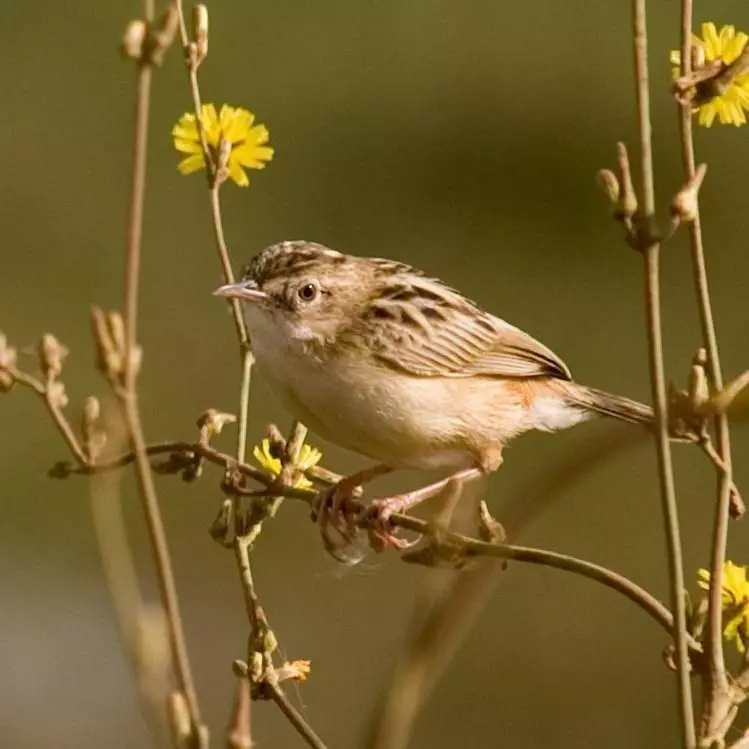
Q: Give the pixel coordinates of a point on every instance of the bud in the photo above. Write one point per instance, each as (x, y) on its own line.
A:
(697, 55)
(51, 356)
(116, 326)
(132, 40)
(627, 205)
(7, 354)
(93, 437)
(240, 668)
(699, 391)
(162, 34)
(108, 353)
(200, 31)
(211, 422)
(685, 204)
(608, 182)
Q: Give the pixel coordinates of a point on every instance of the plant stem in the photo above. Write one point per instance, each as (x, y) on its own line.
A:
(128, 398)
(295, 718)
(717, 676)
(651, 253)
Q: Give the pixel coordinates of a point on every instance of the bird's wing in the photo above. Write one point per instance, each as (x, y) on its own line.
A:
(464, 343)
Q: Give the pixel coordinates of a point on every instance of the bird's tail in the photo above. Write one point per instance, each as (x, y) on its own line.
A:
(607, 404)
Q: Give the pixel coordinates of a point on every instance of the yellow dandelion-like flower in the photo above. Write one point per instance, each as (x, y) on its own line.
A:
(725, 46)
(735, 600)
(233, 125)
(308, 458)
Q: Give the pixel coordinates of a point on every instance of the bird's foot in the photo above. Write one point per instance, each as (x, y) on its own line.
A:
(382, 534)
(336, 513)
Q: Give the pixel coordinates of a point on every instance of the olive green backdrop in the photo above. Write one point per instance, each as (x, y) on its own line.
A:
(461, 137)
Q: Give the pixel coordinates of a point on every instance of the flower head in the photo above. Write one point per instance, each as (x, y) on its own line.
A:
(308, 458)
(231, 129)
(735, 601)
(723, 47)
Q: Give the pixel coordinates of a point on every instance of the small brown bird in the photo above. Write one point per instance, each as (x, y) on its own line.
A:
(377, 357)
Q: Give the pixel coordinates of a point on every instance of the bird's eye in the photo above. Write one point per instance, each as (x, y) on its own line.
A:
(307, 292)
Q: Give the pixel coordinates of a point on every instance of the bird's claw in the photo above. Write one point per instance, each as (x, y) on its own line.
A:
(336, 514)
(380, 530)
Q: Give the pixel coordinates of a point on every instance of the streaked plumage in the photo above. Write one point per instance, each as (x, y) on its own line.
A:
(397, 366)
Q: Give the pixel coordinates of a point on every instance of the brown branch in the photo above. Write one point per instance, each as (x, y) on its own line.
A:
(650, 248)
(54, 408)
(460, 546)
(715, 702)
(128, 399)
(295, 717)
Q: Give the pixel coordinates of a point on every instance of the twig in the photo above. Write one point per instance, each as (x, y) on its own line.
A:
(717, 687)
(461, 546)
(295, 717)
(651, 251)
(128, 398)
(55, 411)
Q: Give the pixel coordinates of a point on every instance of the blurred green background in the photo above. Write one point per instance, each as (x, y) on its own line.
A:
(461, 137)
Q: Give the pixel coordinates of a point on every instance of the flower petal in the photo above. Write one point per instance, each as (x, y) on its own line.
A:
(237, 174)
(258, 135)
(187, 146)
(711, 42)
(191, 163)
(734, 47)
(239, 126)
(252, 157)
(707, 114)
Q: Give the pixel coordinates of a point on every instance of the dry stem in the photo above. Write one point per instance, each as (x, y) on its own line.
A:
(129, 400)
(651, 249)
(716, 701)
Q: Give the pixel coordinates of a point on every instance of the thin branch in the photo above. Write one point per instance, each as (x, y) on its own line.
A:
(295, 717)
(128, 399)
(55, 411)
(715, 702)
(460, 546)
(651, 252)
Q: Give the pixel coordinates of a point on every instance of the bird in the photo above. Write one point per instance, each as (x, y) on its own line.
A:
(384, 360)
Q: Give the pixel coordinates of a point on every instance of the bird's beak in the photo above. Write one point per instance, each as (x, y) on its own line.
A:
(246, 291)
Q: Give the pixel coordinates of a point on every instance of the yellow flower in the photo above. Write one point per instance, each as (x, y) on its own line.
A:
(726, 47)
(735, 600)
(232, 126)
(308, 458)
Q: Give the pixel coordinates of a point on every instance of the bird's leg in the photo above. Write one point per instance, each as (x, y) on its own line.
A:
(331, 506)
(381, 534)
